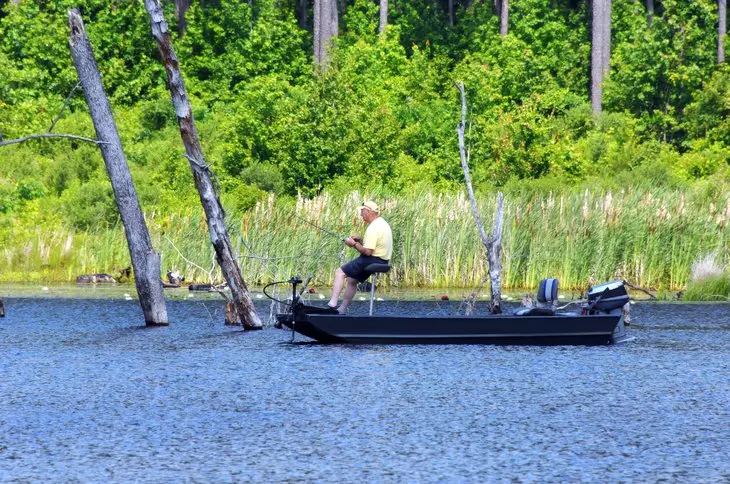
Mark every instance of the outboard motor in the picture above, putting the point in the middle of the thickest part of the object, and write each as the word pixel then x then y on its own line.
pixel 609 298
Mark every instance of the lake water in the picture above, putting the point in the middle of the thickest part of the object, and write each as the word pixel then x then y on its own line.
pixel 86 394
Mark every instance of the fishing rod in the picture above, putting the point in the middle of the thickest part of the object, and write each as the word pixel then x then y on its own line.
pixel 339 237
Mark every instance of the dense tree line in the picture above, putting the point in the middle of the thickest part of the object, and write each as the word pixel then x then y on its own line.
pixel 299 96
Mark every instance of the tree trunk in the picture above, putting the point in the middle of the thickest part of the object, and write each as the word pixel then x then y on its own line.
pixel 317 31
pixel 606 47
pixel 597 55
pixel 492 243
pixel 649 12
pixel 451 13
pixel 145 261
pixel 181 7
pixel 243 304
pixel 326 27
pixel 721 30
pixel 383 16
pixel 2 309
pixel 504 18
pixel 302 13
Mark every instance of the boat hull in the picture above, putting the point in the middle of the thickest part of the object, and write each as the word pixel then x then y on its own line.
pixel 497 329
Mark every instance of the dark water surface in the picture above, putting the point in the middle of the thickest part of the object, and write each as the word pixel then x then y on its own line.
pixel 88 395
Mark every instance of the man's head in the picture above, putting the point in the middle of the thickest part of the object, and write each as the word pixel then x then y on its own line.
pixel 369 211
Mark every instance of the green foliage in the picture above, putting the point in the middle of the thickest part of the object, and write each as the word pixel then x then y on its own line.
pixel 380 119
pixel 90 205
pixel 712 288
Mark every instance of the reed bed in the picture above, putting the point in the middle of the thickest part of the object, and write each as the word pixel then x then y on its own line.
pixel 650 238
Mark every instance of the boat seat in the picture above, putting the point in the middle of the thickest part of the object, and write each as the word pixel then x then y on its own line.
pixel 376 268
pixel 547 300
pixel 547 292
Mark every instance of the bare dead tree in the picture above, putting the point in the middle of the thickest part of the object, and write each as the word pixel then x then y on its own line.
pixel 721 29
pixel 600 51
pixel 493 242
pixel 504 18
pixel 145 260
pixel 606 33
pixel 326 28
pixel 384 16
pixel 215 216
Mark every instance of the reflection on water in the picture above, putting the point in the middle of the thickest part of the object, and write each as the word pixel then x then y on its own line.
pixel 87 394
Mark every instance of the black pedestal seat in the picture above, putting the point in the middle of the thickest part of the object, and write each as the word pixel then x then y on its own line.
pixel 376 268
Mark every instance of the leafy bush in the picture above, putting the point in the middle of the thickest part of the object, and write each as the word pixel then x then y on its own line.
pixel 90 205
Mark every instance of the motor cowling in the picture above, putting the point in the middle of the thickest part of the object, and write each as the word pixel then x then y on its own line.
pixel 608 296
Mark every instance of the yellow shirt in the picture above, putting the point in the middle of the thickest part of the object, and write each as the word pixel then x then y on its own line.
pixel 379 237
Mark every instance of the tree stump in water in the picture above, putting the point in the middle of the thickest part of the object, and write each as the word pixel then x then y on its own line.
pixel 231 318
pixel 2 309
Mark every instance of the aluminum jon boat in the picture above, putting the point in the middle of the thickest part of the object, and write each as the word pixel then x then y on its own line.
pixel 600 321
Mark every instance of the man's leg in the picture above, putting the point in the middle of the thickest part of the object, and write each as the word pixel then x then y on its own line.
pixel 337 288
pixel 349 294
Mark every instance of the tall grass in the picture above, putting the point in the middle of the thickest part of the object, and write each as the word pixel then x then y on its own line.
pixel 650 238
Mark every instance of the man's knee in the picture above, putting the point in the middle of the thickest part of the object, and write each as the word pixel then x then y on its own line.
pixel 351 281
pixel 339 272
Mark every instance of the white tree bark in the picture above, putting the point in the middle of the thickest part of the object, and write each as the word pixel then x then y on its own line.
pixel 383 16
pixel 326 27
pixel 606 48
pixel 721 30
pixel 145 260
pixel 242 302
pixel 493 242
pixel 597 56
pixel 504 18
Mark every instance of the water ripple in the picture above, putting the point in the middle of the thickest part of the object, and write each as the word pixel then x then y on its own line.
pixel 87 396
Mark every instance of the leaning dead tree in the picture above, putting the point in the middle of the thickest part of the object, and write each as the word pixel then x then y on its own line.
pixel 493 242
pixel 145 260
pixel 242 303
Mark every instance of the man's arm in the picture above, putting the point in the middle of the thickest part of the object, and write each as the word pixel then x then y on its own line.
pixel 357 245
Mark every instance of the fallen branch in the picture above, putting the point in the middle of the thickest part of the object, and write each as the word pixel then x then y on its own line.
pixel 51 135
pixel 653 296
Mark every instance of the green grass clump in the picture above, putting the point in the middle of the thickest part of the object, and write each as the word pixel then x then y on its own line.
pixel 712 288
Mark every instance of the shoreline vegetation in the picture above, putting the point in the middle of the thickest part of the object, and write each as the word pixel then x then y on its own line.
pixel 635 186
pixel 651 238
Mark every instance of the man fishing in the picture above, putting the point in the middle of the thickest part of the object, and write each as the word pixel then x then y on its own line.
pixel 375 247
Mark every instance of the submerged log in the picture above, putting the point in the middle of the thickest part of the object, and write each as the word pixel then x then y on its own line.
pixel 96 279
pixel 145 260
pixel 493 242
pixel 242 302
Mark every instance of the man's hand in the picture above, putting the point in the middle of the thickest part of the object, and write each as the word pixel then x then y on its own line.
pixel 350 242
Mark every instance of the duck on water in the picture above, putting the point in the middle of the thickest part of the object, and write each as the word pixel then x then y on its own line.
pixel 599 321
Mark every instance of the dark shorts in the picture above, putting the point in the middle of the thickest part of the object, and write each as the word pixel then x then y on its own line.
pixel 356 267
